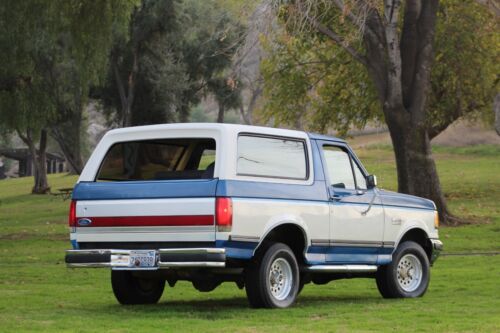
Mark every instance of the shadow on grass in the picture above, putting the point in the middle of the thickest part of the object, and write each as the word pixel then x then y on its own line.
pixel 226 307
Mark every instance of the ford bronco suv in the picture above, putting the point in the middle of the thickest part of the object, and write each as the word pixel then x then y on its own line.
pixel 269 209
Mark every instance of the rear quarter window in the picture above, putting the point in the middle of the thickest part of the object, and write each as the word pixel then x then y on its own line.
pixel 167 159
pixel 272 157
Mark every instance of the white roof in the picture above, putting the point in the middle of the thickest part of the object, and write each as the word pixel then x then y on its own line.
pixel 203 126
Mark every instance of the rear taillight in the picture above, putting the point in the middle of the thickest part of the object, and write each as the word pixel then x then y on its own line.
pixel 224 214
pixel 72 214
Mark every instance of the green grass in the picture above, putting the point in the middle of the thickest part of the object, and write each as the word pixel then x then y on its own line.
pixel 38 293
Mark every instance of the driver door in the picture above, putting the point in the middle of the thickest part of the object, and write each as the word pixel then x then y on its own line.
pixel 356 212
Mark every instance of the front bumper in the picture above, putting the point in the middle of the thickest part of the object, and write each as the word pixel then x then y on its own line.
pixel 437 247
pixel 163 258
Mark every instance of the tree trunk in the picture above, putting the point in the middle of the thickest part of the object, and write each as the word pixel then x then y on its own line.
pixel 69 142
pixel 39 158
pixel 416 169
pixel 220 115
pixel 496 110
pixel 423 179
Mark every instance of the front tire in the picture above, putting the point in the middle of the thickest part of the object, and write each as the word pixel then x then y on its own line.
pixel 273 279
pixel 408 274
pixel 129 289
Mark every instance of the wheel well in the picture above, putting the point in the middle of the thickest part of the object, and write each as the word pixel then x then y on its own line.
pixel 289 234
pixel 420 237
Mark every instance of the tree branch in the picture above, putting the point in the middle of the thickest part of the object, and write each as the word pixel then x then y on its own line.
pixel 332 35
pixel 435 130
pixel 391 15
pixel 339 40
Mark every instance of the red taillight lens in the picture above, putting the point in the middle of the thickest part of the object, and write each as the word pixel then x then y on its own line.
pixel 72 214
pixel 224 214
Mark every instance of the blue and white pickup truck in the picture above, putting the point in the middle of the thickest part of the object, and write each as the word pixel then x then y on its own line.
pixel 269 209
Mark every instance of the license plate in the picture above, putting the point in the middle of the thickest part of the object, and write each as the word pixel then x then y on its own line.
pixel 142 259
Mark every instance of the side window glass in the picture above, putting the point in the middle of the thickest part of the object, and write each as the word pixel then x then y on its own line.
pixel 271 157
pixel 339 168
pixel 360 179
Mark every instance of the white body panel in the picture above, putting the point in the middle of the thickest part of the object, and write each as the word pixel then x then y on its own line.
pixel 399 220
pixel 143 207
pixel 348 223
pixel 254 218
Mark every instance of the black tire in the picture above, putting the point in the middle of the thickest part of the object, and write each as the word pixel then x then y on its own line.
pixel 404 285
pixel 301 286
pixel 258 282
pixel 129 289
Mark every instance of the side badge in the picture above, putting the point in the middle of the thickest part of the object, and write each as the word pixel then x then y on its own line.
pixel 84 222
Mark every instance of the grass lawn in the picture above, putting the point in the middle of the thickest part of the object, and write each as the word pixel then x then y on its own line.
pixel 37 291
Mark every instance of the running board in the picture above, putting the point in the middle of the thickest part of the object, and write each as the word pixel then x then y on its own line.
pixel 341 268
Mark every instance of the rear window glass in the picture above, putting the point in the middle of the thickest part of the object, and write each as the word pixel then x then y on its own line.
pixel 159 160
pixel 271 157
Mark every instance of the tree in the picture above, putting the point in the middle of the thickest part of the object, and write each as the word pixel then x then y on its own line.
pixel 163 68
pixel 145 76
pixel 84 40
pixel 24 107
pixel 390 63
pixel 227 93
pixel 210 42
pixel 53 53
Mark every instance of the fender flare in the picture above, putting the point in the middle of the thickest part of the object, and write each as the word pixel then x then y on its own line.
pixel 270 226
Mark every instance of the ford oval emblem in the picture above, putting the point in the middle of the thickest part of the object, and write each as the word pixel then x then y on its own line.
pixel 84 222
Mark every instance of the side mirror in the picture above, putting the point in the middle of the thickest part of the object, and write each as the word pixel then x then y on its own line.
pixel 371 181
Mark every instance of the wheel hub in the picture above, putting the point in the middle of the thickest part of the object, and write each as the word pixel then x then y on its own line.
pixel 280 279
pixel 409 273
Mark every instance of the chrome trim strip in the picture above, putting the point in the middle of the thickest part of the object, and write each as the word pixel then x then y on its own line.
pixel 218 264
pixel 193 250
pixel 89 265
pixel 342 268
pixel 147 229
pixel 238 238
pixel 342 241
pixel 320 242
pixel 98 251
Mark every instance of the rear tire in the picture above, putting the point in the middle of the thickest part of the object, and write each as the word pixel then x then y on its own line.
pixel 408 274
pixel 272 280
pixel 129 289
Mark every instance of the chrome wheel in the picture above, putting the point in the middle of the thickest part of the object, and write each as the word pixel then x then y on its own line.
pixel 280 279
pixel 409 272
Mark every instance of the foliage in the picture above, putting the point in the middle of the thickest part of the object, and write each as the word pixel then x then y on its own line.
pixel 54 52
pixel 311 77
pixel 465 72
pixel 312 83
pixel 174 48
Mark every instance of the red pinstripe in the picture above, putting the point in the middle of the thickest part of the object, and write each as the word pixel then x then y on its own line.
pixel 148 221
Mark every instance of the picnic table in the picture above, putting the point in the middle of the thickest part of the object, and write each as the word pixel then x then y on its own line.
pixel 64 192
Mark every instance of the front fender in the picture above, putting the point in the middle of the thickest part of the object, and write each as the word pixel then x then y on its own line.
pixel 411 225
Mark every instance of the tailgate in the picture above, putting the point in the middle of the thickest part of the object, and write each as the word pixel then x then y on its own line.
pixel 152 211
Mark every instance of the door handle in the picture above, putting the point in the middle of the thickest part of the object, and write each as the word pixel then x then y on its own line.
pixel 336 197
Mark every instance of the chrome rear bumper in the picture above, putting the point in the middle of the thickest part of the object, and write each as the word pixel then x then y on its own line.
pixel 437 247
pixel 163 258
